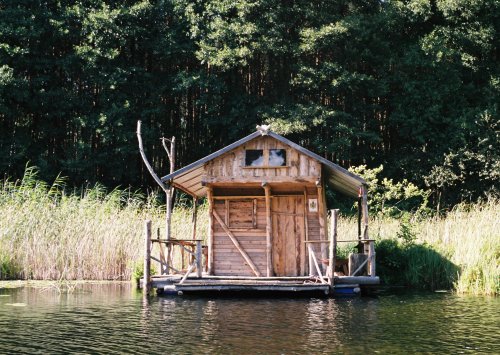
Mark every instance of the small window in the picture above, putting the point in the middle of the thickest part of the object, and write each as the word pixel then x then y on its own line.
pixel 277 157
pixel 254 157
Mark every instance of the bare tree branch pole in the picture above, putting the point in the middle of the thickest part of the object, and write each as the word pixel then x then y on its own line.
pixel 171 156
pixel 169 195
pixel 145 159
pixel 163 142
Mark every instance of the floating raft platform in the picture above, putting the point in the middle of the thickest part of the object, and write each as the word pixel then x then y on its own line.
pixel 267 224
pixel 344 285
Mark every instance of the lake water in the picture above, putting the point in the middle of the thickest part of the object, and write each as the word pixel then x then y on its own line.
pixel 115 318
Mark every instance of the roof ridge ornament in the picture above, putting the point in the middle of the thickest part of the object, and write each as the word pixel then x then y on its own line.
pixel 264 129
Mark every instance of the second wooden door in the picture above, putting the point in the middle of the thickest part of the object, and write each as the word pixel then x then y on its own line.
pixel 288 235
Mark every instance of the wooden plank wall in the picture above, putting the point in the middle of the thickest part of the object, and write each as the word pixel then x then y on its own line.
pixel 312 217
pixel 240 220
pixel 232 164
pixel 313 223
pixel 250 230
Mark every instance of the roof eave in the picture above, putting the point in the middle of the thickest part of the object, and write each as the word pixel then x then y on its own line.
pixel 209 157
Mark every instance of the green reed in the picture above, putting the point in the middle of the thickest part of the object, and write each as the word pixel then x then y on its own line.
pixel 460 251
pixel 48 233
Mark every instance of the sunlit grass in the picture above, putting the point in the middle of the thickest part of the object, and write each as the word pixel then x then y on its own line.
pixel 47 233
pixel 468 237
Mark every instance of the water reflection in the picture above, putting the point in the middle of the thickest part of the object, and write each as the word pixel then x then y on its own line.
pixel 116 319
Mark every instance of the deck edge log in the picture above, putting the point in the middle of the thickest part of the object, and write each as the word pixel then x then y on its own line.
pixel 361 280
pixel 297 288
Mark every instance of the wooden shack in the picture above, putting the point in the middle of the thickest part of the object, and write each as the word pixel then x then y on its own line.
pixel 268 225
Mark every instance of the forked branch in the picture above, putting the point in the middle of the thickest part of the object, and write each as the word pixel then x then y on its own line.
pixel 146 161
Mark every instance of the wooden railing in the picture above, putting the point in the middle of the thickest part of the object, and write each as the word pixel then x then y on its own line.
pixel 193 248
pixel 370 260
pixel 315 263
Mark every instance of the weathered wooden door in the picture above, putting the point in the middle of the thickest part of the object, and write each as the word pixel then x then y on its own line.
pixel 288 235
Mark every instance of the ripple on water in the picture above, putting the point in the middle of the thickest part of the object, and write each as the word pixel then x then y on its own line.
pixel 116 319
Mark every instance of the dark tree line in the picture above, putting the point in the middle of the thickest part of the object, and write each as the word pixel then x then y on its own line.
pixel 413 85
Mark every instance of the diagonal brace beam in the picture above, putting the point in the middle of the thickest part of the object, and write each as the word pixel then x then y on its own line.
pixel 237 244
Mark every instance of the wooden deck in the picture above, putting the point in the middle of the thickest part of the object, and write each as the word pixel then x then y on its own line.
pixel 231 284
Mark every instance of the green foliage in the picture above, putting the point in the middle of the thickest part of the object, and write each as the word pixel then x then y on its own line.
pixel 402 262
pixel 137 270
pixel 8 268
pixel 406 233
pixel 344 249
pixel 474 170
pixel 391 198
pixel 410 85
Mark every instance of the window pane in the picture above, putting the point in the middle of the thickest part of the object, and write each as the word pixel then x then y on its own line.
pixel 254 157
pixel 277 157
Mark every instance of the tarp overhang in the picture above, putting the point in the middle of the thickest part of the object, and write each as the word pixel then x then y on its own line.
pixel 189 178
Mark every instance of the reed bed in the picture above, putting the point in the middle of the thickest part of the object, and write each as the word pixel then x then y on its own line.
pixel 469 237
pixel 460 250
pixel 47 233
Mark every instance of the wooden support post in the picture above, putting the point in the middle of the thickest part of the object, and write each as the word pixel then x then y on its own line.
pixel 269 229
pixel 323 227
pixel 163 263
pixel 306 227
pixel 194 218
pixel 371 257
pixel 168 224
pixel 365 213
pixel 311 262
pixel 147 257
pixel 360 216
pixel 333 247
pixel 254 213
pixel 226 214
pixel 198 259
pixel 168 200
pixel 167 189
pixel 210 230
pixel 364 202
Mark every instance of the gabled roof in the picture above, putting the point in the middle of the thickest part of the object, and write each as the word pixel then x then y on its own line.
pixel 190 176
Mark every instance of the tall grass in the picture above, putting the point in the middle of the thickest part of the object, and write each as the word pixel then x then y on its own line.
pixel 48 233
pixel 470 237
pixel 459 251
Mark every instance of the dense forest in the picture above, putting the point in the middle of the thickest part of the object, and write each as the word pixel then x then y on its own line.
pixel 410 84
